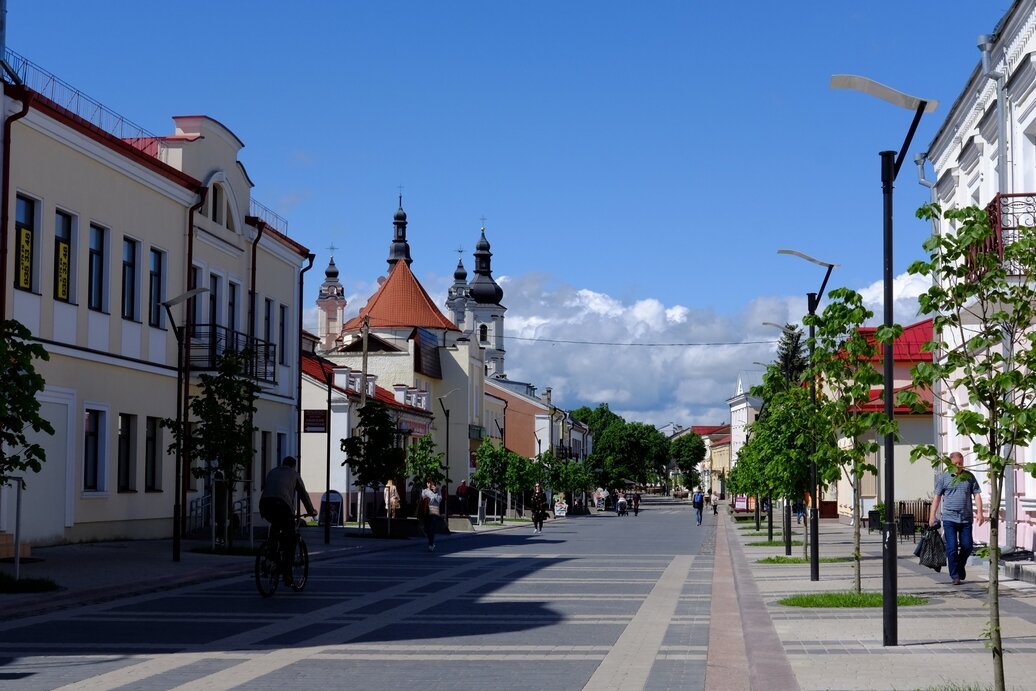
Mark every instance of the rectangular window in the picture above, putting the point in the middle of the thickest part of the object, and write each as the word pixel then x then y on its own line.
pixel 268 321
pixel 232 297
pixel 62 256
pixel 156 288
pixel 93 451
pixel 152 457
pixel 25 254
pixel 96 278
pixel 215 286
pixel 192 304
pixel 129 278
pixel 284 335
pixel 127 457
pixel 264 460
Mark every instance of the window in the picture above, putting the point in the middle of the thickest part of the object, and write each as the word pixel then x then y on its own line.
pixel 217 204
pixel 214 298
pixel 232 292
pixel 192 304
pixel 156 287
pixel 96 279
pixel 264 461
pixel 483 333
pixel 152 459
pixel 129 278
pixel 268 322
pixel 284 335
pixel 93 451
pixel 127 438
pixel 25 257
pixel 62 256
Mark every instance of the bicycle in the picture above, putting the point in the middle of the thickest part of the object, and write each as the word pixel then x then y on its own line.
pixel 268 571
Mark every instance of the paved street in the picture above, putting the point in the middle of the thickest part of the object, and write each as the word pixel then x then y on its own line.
pixel 599 601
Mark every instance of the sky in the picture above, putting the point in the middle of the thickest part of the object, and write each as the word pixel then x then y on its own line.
pixel 637 164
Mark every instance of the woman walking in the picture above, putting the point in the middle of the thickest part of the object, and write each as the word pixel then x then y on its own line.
pixel 428 511
pixel 539 509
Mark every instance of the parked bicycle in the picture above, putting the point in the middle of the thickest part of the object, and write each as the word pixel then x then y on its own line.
pixel 269 569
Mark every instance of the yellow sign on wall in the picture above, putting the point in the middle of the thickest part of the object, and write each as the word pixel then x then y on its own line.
pixel 24 277
pixel 63 272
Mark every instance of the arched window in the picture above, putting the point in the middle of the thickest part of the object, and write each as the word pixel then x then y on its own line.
pixel 218 204
pixel 483 333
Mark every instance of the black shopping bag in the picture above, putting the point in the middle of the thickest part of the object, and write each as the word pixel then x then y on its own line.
pixel 932 550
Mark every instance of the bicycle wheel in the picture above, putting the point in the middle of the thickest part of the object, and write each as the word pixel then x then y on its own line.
pixel 267 571
pixel 300 566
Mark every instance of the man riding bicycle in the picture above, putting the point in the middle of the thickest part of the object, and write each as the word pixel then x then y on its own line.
pixel 283 489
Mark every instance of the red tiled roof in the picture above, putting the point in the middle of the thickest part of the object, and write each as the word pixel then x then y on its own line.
pixel 906 348
pixel 722 440
pixel 323 370
pixel 706 430
pixel 401 301
pixel 876 404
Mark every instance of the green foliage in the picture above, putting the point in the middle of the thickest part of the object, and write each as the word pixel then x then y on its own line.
pixel 373 453
pixel 848 600
pixel 521 474
pixel 424 463
pixel 688 450
pixel 490 466
pixel 630 451
pixel 791 361
pixel 19 405
pixel 222 434
pixel 598 419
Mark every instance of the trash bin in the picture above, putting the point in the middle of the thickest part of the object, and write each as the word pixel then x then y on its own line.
pixel 873 520
pixel 331 505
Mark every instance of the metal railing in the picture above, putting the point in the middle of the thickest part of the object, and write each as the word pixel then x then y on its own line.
pixel 1007 213
pixel 209 342
pixel 268 216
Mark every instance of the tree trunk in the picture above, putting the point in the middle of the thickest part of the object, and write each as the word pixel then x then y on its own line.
pixel 995 640
pixel 856 516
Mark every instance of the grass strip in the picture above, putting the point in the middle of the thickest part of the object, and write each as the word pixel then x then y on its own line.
pixel 773 543
pixel 26 585
pixel 801 560
pixel 848 600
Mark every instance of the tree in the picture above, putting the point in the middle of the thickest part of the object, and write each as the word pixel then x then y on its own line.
pixel 598 419
pixel 19 405
pixel 490 469
pixel 221 439
pixel 424 463
pixel 843 360
pixel 792 360
pixel 373 453
pixel 688 450
pixel 983 310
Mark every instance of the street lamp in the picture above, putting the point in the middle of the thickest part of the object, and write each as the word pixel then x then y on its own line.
pixel 890 164
pixel 178 332
pixel 812 301
pixel 446 482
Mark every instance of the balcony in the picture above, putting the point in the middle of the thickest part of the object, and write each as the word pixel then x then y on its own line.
pixel 1007 213
pixel 208 342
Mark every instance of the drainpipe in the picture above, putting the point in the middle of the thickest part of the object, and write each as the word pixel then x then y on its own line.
pixel 298 375
pixel 999 79
pixel 25 96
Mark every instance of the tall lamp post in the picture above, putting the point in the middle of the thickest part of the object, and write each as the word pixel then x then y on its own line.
pixel 446 482
pixel 178 332
pixel 812 301
pixel 890 164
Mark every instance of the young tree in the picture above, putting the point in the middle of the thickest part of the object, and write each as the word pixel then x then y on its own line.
pixel 373 453
pixel 984 308
pixel 19 407
pixel 843 361
pixel 221 439
pixel 491 470
pixel 424 463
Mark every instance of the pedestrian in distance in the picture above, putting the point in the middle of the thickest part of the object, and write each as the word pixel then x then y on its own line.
pixel 955 492
pixel 539 509
pixel 698 501
pixel 391 499
pixel 281 494
pixel 714 499
pixel 636 502
pixel 428 511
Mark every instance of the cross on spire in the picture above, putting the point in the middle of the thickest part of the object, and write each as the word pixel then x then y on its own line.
pixel 400 196
pixel 331 248
pixel 483 222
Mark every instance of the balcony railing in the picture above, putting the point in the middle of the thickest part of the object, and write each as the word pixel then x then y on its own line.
pixel 209 342
pixel 1007 213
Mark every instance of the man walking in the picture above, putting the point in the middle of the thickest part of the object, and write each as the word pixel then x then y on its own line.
pixel 699 503
pixel 954 491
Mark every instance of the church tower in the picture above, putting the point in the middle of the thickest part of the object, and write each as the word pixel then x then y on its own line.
pixel 457 298
pixel 400 248
pixel 330 307
pixel 485 314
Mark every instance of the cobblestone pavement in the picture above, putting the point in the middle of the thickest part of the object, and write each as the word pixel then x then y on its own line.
pixel 602 602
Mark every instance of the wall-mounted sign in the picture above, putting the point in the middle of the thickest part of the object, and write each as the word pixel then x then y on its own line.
pixel 314 421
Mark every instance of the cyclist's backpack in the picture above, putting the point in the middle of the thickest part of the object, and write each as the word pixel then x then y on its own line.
pixel 698 499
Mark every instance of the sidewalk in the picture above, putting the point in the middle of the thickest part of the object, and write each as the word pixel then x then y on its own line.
pixel 940 645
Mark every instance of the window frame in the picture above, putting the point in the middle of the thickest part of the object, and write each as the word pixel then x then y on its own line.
pixel 130 307
pixel 94 449
pixel 126 480
pixel 156 287
pixel 282 356
pixel 152 455
pixel 96 291
pixel 26 241
pixel 65 250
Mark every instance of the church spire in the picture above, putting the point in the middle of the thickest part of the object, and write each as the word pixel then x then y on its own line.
pixel 399 249
pixel 484 289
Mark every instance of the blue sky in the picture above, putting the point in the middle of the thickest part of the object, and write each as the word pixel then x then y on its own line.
pixel 638 163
